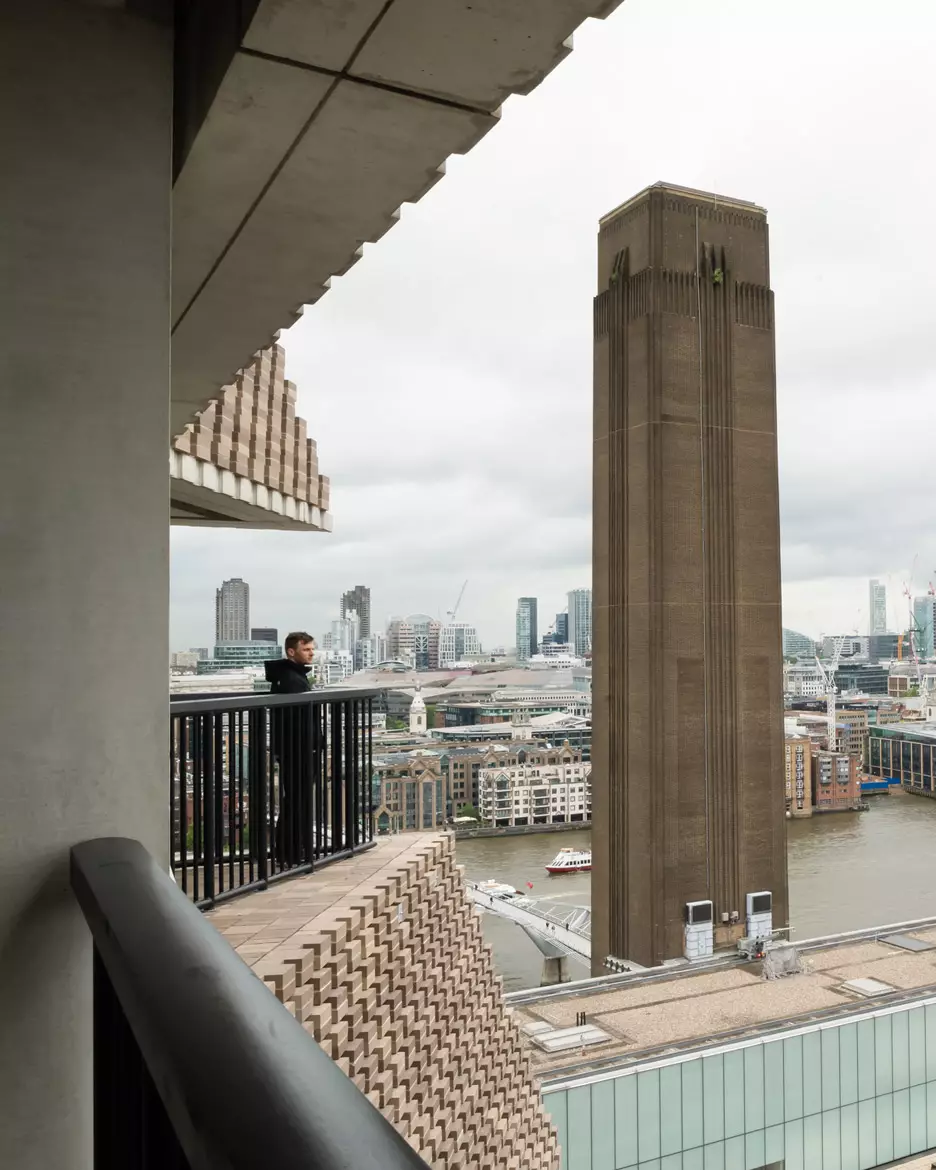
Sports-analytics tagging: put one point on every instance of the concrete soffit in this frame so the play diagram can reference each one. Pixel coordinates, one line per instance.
(327, 118)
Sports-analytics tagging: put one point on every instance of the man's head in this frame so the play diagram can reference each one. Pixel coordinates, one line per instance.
(299, 647)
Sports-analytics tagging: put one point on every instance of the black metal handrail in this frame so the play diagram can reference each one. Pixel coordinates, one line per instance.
(264, 786)
(197, 1066)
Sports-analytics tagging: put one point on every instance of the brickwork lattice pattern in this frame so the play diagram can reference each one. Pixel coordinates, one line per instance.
(382, 959)
(251, 429)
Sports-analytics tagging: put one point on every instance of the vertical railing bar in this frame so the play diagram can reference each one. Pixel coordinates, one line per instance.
(208, 859)
(197, 764)
(240, 795)
(370, 769)
(219, 787)
(184, 739)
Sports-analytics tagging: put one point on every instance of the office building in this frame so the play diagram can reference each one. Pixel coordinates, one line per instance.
(904, 753)
(371, 650)
(561, 628)
(877, 607)
(845, 645)
(579, 621)
(803, 680)
(869, 678)
(923, 625)
(797, 766)
(232, 611)
(426, 632)
(527, 637)
(688, 738)
(235, 655)
(458, 642)
(797, 645)
(881, 646)
(183, 660)
(541, 788)
(358, 599)
(264, 634)
(401, 641)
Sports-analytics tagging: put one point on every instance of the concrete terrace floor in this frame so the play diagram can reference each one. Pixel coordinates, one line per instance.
(695, 1005)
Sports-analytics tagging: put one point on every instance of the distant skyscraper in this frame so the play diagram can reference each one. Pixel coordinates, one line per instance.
(426, 631)
(401, 641)
(877, 608)
(562, 627)
(579, 621)
(358, 599)
(923, 624)
(264, 634)
(687, 744)
(527, 637)
(232, 611)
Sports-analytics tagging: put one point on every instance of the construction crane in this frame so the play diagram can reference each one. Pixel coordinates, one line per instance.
(828, 678)
(452, 612)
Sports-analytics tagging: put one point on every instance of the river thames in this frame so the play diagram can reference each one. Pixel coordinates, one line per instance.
(847, 871)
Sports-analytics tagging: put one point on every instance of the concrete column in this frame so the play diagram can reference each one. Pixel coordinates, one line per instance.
(85, 126)
(555, 970)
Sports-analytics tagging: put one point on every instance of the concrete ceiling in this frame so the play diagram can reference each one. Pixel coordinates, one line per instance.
(330, 116)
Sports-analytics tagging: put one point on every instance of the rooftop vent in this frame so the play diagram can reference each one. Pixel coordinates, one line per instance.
(867, 988)
(562, 1039)
(908, 943)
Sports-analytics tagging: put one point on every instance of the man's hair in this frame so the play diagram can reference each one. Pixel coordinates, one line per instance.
(293, 641)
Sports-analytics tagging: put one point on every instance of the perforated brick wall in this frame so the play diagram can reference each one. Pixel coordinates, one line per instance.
(252, 429)
(382, 959)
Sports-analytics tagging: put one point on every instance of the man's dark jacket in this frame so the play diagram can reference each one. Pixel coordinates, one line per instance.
(287, 677)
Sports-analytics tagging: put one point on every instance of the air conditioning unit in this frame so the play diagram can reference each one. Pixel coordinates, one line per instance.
(698, 912)
(760, 903)
(698, 933)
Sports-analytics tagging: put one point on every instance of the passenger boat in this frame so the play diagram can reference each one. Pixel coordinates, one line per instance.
(496, 889)
(570, 861)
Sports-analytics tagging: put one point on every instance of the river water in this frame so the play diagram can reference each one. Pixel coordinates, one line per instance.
(847, 871)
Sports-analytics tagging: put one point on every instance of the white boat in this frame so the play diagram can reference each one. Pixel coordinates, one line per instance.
(497, 889)
(570, 861)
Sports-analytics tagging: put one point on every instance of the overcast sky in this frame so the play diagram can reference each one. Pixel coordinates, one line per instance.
(447, 376)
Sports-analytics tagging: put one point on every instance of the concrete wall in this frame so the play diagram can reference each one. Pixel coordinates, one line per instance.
(382, 959)
(84, 367)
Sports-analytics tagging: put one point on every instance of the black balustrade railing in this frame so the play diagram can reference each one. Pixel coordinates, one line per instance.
(196, 1065)
(263, 786)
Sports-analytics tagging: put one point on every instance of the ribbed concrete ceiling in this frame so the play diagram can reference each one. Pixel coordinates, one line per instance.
(330, 116)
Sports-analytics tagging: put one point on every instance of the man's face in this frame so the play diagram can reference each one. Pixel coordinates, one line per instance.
(302, 653)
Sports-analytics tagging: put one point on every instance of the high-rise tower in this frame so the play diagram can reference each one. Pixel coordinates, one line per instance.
(877, 607)
(232, 611)
(687, 755)
(358, 599)
(527, 635)
(579, 620)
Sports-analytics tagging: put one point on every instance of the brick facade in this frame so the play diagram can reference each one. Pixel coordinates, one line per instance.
(688, 738)
(382, 959)
(252, 429)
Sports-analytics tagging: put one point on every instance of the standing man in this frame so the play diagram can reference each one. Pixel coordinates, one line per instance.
(288, 744)
(289, 675)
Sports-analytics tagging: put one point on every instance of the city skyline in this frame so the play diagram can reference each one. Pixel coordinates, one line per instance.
(499, 333)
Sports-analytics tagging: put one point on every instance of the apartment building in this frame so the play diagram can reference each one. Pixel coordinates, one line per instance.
(541, 788)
